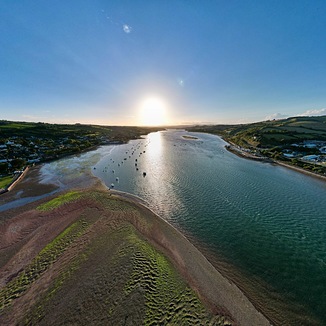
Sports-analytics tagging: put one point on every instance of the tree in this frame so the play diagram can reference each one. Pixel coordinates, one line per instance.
(3, 168)
(18, 163)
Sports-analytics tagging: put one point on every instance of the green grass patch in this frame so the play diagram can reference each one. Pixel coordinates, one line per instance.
(110, 203)
(168, 299)
(47, 256)
(57, 202)
(5, 181)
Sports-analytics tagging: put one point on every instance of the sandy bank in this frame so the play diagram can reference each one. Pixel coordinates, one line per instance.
(92, 250)
(214, 289)
(298, 169)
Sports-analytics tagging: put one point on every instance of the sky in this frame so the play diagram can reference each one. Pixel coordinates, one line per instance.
(139, 62)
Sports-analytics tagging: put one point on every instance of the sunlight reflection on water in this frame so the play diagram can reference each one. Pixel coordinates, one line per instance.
(262, 219)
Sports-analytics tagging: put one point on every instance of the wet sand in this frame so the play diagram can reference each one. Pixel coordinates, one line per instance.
(300, 170)
(28, 186)
(213, 288)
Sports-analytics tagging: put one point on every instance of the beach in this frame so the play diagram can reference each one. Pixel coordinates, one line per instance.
(240, 153)
(220, 296)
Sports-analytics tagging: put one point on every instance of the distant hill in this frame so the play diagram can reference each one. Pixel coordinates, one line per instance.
(270, 133)
(55, 131)
(296, 141)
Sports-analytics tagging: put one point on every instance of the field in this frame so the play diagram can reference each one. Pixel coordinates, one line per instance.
(272, 133)
(90, 258)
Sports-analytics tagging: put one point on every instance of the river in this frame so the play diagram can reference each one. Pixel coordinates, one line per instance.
(262, 225)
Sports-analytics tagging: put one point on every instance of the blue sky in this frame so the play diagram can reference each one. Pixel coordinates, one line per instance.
(227, 61)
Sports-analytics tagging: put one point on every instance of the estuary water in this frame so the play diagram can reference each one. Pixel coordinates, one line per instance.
(263, 226)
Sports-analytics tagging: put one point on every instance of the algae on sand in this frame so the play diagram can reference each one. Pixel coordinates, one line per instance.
(107, 273)
(60, 200)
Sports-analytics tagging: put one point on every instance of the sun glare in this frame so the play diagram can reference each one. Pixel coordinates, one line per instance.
(153, 112)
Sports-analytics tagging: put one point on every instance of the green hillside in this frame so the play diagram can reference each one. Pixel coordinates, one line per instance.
(297, 141)
(271, 133)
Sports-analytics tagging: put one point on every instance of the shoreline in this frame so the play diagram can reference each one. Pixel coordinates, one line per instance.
(300, 170)
(230, 148)
(90, 179)
(211, 286)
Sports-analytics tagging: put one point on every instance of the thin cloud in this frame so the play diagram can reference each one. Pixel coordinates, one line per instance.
(314, 112)
(126, 28)
(276, 116)
(181, 82)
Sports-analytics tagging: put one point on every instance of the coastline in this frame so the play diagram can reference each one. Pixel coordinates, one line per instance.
(216, 291)
(248, 156)
(233, 149)
(300, 170)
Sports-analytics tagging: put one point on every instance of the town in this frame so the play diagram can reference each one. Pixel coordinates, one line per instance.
(23, 144)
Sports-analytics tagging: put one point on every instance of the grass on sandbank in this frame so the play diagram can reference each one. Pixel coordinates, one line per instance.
(58, 201)
(47, 256)
(5, 181)
(101, 270)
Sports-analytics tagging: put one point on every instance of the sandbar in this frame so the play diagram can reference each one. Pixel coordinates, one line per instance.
(221, 296)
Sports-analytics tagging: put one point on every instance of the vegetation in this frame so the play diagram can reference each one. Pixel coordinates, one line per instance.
(167, 298)
(40, 263)
(5, 181)
(24, 143)
(99, 270)
(58, 201)
(70, 132)
(271, 133)
(275, 138)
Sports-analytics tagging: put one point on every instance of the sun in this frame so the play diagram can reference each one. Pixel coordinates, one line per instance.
(153, 112)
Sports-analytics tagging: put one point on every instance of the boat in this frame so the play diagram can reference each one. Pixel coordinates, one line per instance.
(112, 185)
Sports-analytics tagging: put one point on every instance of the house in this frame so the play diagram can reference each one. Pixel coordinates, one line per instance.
(312, 158)
(323, 150)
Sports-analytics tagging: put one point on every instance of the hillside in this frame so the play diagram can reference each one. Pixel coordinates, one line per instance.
(271, 133)
(298, 141)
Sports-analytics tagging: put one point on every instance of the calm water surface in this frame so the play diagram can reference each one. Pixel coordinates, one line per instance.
(264, 224)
